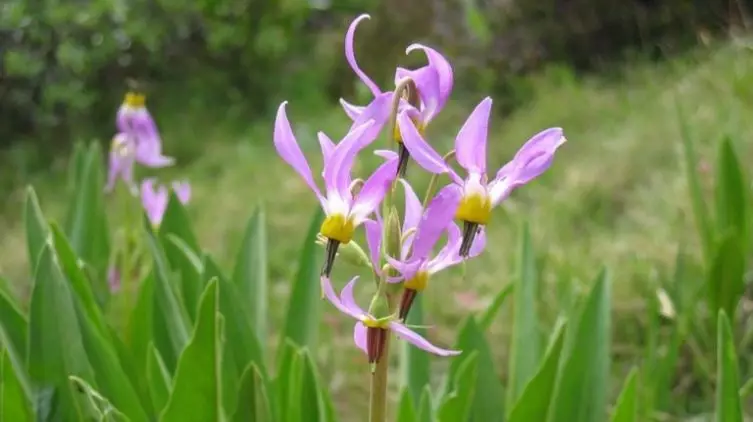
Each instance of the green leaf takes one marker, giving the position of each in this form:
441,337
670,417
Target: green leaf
76,167
170,316
414,361
525,350
731,191
87,231
253,400
176,221
425,412
13,338
456,406
626,409
488,400
196,392
189,268
56,348
302,319
93,405
487,318
728,408
250,273
311,402
141,323
582,382
725,282
285,383
534,401
36,228
700,212
158,378
406,412
14,402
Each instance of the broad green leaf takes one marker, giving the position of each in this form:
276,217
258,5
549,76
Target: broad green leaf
56,348
425,412
626,409
189,267
158,378
700,212
311,403
533,403
287,370
36,228
88,232
93,405
250,273
176,221
141,323
731,191
170,314
488,400
728,408
525,350
302,319
13,338
14,402
487,318
725,281
456,406
582,382
414,361
253,400
196,392
406,411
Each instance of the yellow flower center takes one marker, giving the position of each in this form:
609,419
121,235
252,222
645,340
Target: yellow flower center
419,125
474,208
134,100
372,323
337,227
418,282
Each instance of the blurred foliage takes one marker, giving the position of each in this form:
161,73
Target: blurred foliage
65,63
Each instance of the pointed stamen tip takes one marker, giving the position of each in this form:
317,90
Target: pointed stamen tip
469,234
406,302
329,258
403,158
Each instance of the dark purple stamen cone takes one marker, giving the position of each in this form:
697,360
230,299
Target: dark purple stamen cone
409,295
403,158
375,338
329,257
469,233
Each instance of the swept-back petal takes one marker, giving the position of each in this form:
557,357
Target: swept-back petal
427,83
470,144
351,56
327,146
374,242
359,336
407,269
378,110
182,190
373,191
329,293
339,164
442,68
414,338
435,219
349,301
413,210
419,150
154,200
353,111
287,147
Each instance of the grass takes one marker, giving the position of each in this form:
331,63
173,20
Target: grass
616,195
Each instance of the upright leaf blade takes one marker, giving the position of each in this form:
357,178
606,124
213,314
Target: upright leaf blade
190,268
14,402
158,377
13,338
253,400
582,382
456,406
250,273
725,282
176,221
626,409
728,408
196,392
525,350
302,319
406,411
731,191
36,228
93,405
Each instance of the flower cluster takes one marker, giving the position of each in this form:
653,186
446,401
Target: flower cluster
401,251
138,141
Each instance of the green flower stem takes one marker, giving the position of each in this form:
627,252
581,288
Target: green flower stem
378,398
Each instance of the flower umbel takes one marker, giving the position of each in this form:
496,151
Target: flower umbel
369,332
477,195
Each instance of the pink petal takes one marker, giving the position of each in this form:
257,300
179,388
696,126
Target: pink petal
374,242
182,191
414,338
441,66
351,57
438,214
359,336
373,191
353,111
330,294
419,150
339,164
413,210
346,296
470,144
327,146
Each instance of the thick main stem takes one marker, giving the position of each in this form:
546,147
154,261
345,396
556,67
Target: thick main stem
378,399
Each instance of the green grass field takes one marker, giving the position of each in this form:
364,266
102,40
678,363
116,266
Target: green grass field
616,195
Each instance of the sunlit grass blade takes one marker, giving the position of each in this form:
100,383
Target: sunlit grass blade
725,279
253,399
302,318
93,405
196,392
415,369
56,348
728,407
582,382
14,401
626,409
250,273
456,406
731,191
537,395
525,350
700,212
